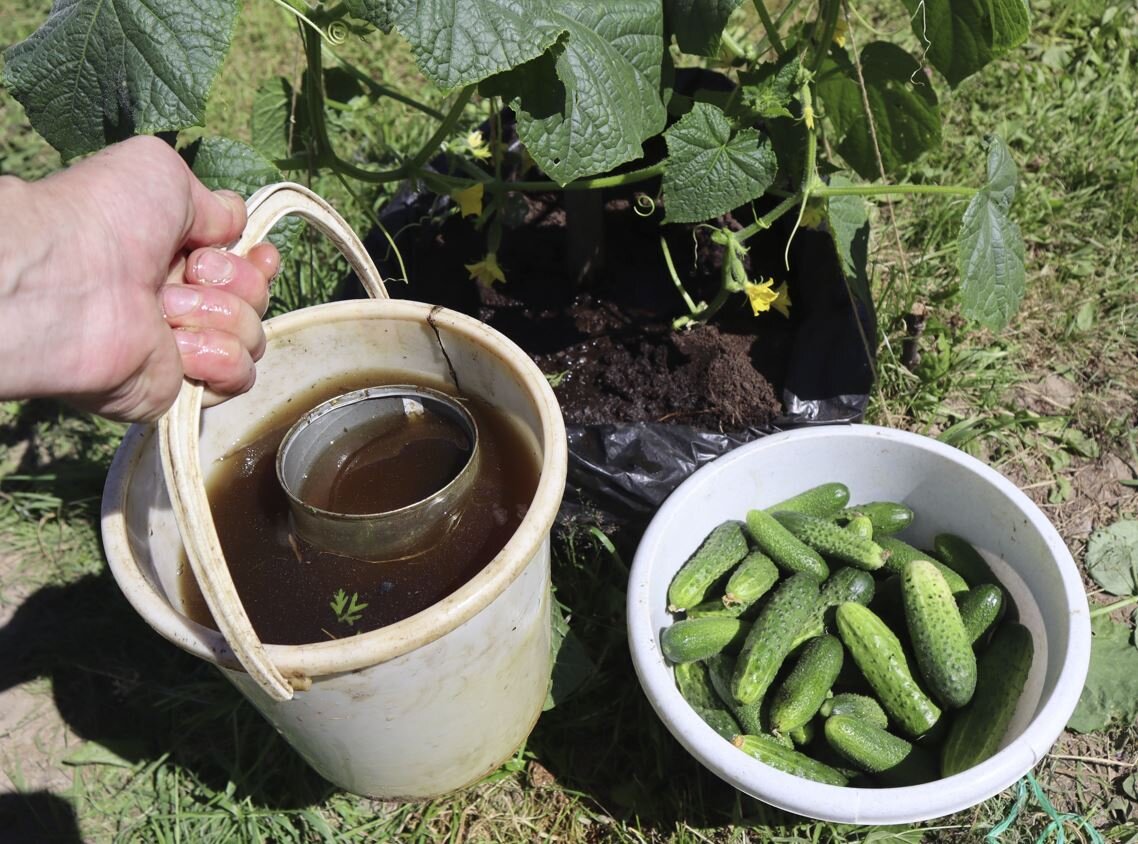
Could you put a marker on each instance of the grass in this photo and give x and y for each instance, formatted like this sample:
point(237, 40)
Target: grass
point(158, 747)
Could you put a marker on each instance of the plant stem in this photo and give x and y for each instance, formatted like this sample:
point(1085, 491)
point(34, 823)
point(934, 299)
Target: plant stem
point(825, 33)
point(887, 190)
point(769, 26)
point(692, 307)
point(380, 90)
point(1107, 609)
point(612, 181)
point(445, 128)
point(765, 221)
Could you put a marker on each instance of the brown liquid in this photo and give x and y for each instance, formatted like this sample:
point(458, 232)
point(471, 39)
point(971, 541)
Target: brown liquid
point(381, 468)
point(287, 588)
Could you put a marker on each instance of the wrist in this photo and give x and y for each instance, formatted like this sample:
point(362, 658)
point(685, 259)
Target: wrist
point(33, 329)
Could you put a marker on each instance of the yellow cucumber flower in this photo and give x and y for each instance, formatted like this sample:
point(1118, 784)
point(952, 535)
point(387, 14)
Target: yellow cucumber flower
point(486, 271)
point(477, 144)
point(840, 32)
point(763, 297)
point(470, 200)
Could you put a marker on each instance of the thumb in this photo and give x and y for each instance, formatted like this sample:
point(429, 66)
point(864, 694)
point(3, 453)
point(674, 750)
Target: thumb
point(218, 216)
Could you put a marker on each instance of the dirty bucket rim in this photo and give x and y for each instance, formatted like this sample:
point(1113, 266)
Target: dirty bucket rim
point(392, 641)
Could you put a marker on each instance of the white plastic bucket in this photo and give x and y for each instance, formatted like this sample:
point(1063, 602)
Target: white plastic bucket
point(426, 705)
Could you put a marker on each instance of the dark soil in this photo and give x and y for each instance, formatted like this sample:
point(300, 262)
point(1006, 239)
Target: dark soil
point(607, 342)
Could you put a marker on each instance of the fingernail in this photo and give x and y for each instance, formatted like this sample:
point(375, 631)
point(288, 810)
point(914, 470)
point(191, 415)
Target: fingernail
point(189, 342)
point(213, 267)
point(179, 299)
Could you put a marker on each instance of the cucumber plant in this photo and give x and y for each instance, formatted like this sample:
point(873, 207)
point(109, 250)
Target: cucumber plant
point(822, 114)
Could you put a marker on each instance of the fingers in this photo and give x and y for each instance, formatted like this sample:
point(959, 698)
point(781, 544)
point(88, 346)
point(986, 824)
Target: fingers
point(200, 308)
point(247, 278)
point(216, 358)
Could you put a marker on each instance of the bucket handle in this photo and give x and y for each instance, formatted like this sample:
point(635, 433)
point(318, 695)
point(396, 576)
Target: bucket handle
point(178, 432)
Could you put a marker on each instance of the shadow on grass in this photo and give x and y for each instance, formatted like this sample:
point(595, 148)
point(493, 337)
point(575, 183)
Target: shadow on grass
point(38, 816)
point(116, 683)
point(604, 740)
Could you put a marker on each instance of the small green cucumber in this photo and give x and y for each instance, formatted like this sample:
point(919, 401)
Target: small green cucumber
point(788, 552)
point(980, 608)
point(716, 608)
point(694, 684)
point(770, 752)
point(962, 558)
point(887, 517)
point(941, 644)
point(725, 546)
point(898, 553)
point(770, 638)
point(821, 500)
point(750, 580)
point(827, 538)
point(877, 651)
point(802, 735)
point(978, 728)
point(698, 638)
point(865, 745)
point(860, 526)
point(798, 697)
point(751, 718)
point(719, 720)
point(862, 707)
point(844, 584)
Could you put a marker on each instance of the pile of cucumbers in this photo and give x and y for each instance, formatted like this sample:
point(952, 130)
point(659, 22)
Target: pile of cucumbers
point(818, 642)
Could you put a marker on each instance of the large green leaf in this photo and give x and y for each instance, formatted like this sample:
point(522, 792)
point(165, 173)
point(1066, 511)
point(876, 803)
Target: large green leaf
point(588, 105)
point(270, 124)
point(1112, 557)
point(848, 218)
point(460, 42)
point(1111, 691)
point(98, 72)
point(712, 169)
point(990, 250)
point(903, 107)
point(698, 24)
point(233, 165)
point(961, 36)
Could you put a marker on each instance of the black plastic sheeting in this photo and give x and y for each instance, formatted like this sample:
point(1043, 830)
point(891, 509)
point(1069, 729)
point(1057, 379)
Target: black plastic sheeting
point(619, 474)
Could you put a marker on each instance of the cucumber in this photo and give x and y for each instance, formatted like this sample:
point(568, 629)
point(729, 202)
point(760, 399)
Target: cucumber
point(867, 746)
point(694, 684)
point(862, 707)
point(716, 608)
point(822, 500)
point(719, 720)
point(770, 638)
point(788, 552)
point(878, 653)
point(827, 538)
point(887, 517)
point(962, 558)
point(750, 580)
point(802, 735)
point(798, 697)
point(860, 526)
point(845, 584)
point(725, 546)
point(980, 608)
point(720, 669)
point(699, 638)
point(768, 751)
point(898, 553)
point(978, 728)
point(941, 644)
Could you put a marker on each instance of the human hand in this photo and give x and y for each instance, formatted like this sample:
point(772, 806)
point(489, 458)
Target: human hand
point(110, 292)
